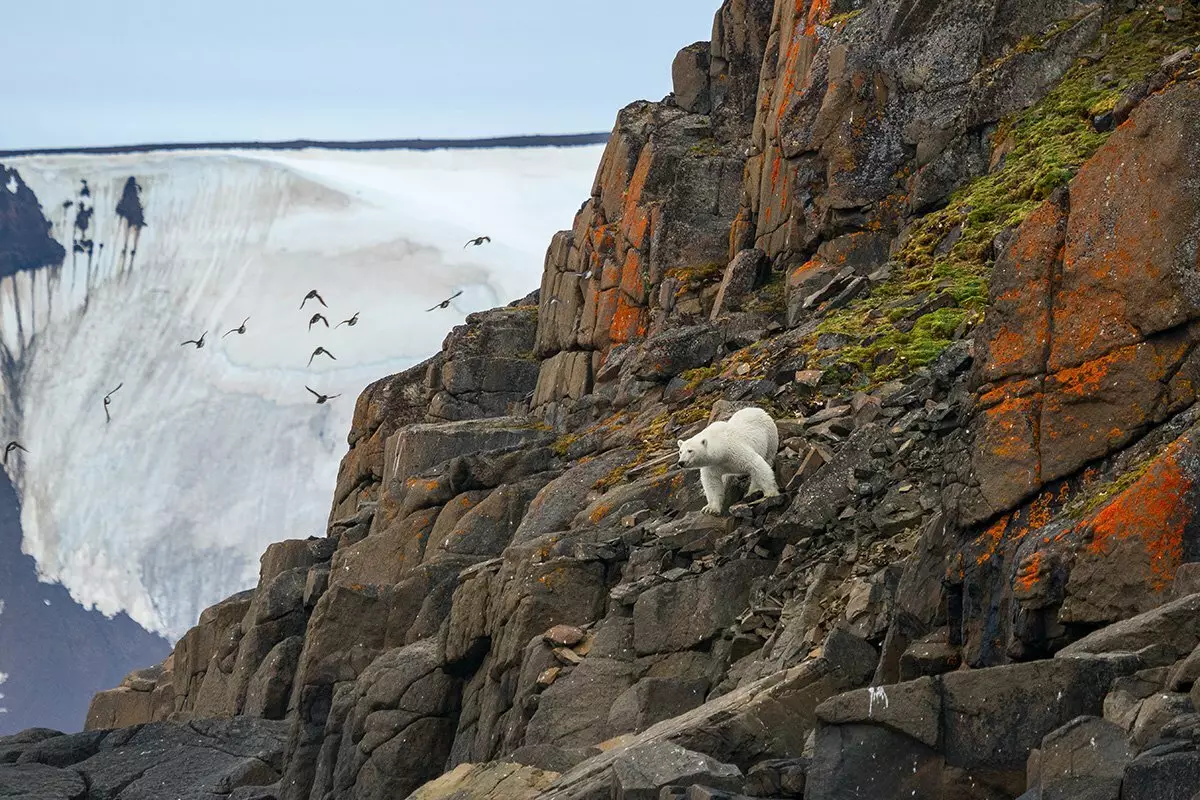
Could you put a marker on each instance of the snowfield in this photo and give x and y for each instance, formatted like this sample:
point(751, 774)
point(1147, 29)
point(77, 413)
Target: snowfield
point(213, 453)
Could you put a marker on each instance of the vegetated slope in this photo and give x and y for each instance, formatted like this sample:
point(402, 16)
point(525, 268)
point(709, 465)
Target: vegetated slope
point(952, 248)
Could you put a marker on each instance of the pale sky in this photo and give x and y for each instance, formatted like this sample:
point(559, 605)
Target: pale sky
point(83, 72)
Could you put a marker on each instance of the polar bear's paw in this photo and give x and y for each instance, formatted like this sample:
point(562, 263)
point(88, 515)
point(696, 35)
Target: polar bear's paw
point(712, 509)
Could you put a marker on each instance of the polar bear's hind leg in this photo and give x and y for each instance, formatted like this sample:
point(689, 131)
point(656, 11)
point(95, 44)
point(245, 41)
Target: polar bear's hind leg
point(762, 477)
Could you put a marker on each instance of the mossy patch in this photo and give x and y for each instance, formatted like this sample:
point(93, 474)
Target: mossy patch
point(1046, 145)
point(705, 148)
point(657, 437)
point(695, 277)
point(1084, 506)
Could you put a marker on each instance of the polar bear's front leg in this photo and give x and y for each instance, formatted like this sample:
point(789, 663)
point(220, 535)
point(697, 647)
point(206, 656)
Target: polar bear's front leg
point(762, 477)
point(714, 490)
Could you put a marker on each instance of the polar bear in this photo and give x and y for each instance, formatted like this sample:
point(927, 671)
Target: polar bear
point(744, 445)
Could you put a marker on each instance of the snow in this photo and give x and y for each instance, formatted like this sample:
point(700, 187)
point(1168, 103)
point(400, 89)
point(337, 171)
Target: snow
point(214, 453)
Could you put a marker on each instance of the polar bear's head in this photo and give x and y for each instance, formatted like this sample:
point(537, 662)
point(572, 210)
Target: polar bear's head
point(693, 452)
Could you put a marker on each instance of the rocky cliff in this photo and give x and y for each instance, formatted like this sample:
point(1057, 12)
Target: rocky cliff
point(953, 248)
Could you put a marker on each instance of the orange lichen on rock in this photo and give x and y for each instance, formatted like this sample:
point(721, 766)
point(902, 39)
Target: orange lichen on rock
point(1088, 378)
point(1028, 574)
point(990, 540)
point(632, 283)
point(818, 12)
point(1154, 511)
point(628, 321)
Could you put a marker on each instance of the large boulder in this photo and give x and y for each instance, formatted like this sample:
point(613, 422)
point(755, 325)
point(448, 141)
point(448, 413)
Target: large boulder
point(974, 725)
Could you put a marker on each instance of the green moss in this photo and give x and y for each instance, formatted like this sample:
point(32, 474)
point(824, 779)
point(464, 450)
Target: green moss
point(1084, 507)
point(1045, 146)
point(696, 277)
point(657, 437)
point(563, 443)
point(842, 19)
point(771, 297)
point(705, 147)
point(695, 377)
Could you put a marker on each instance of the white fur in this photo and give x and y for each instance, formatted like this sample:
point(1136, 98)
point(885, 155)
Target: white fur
point(744, 445)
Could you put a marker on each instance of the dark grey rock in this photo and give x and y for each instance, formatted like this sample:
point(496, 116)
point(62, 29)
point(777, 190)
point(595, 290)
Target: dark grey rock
point(268, 692)
point(1161, 775)
point(1084, 760)
point(642, 772)
point(851, 655)
point(681, 615)
point(676, 350)
point(574, 711)
point(779, 777)
point(1176, 624)
point(651, 700)
point(41, 782)
point(689, 77)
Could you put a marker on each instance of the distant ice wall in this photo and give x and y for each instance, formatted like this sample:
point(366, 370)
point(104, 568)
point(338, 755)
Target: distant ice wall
point(213, 453)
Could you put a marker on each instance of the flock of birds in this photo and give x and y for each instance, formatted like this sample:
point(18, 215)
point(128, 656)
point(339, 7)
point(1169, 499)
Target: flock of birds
point(241, 330)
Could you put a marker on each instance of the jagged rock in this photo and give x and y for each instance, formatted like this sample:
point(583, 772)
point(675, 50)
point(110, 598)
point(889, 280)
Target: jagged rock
point(711, 602)
point(1124, 700)
point(558, 502)
point(652, 700)
point(676, 351)
point(1166, 773)
point(983, 722)
point(63, 751)
point(643, 771)
point(742, 275)
point(269, 689)
point(201, 760)
point(39, 782)
point(497, 781)
point(1156, 711)
point(404, 696)
point(1175, 624)
point(1086, 758)
point(574, 711)
point(551, 758)
point(689, 76)
point(564, 635)
point(928, 659)
point(822, 496)
point(851, 655)
point(11, 747)
point(784, 777)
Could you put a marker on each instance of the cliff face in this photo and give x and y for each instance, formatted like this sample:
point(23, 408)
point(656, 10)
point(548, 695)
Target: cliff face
point(952, 247)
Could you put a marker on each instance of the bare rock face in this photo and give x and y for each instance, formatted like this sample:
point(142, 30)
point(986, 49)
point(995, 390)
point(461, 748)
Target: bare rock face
point(952, 249)
point(200, 760)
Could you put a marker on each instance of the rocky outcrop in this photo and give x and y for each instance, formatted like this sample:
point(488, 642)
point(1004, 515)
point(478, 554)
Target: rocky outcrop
point(951, 248)
point(202, 760)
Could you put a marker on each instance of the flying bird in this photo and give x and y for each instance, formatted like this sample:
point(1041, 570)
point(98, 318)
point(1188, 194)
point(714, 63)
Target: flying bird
point(15, 445)
point(351, 322)
point(320, 351)
point(198, 342)
point(240, 329)
point(478, 240)
point(318, 317)
point(321, 398)
point(313, 295)
point(445, 303)
point(108, 400)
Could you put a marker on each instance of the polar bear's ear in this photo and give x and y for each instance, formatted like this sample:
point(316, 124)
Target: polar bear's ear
point(680, 443)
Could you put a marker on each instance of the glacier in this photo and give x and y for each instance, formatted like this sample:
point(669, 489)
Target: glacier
point(213, 453)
